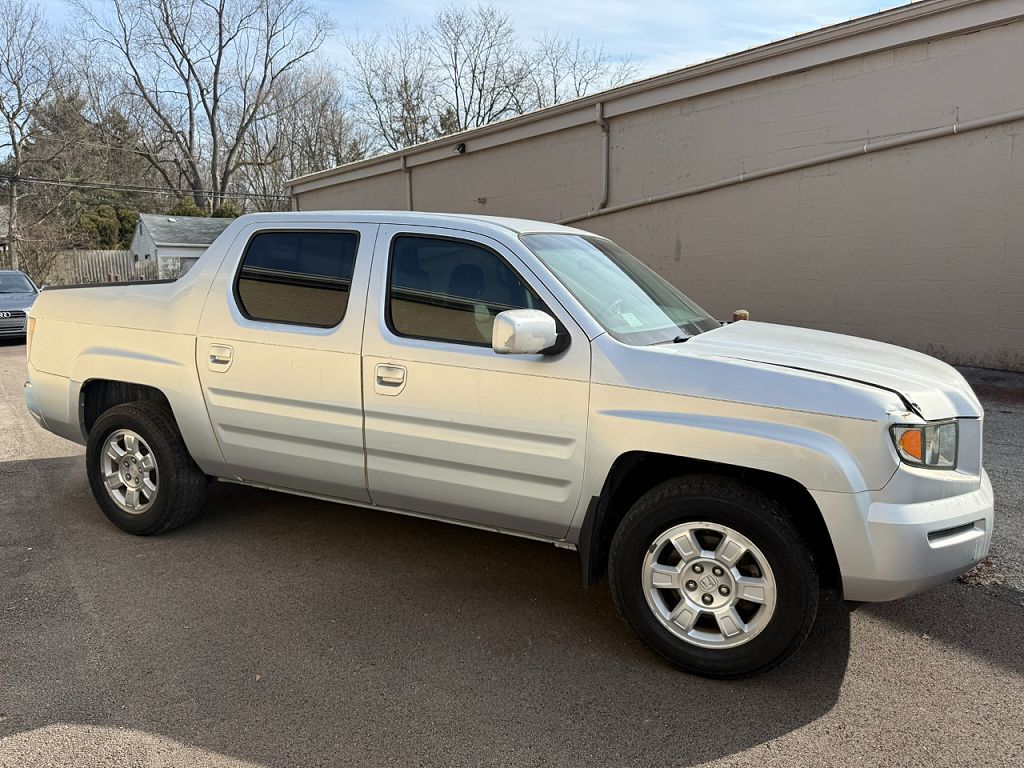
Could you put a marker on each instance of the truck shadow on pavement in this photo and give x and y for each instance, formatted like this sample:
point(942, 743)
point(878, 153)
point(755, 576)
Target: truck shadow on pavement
point(285, 631)
point(985, 622)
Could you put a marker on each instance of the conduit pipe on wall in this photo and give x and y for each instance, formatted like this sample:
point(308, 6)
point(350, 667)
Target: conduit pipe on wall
point(605, 151)
point(868, 148)
point(408, 183)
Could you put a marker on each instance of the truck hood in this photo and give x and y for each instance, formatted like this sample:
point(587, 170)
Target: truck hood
point(928, 387)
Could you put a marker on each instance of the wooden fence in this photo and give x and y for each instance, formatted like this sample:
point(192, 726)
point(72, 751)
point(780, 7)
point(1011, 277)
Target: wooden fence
point(99, 267)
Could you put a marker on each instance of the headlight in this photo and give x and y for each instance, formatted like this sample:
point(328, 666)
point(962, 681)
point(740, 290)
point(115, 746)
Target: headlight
point(927, 445)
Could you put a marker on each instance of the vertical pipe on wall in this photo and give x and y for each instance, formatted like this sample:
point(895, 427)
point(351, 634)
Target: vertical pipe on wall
point(408, 183)
point(605, 151)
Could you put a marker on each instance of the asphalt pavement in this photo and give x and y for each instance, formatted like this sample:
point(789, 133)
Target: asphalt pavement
point(281, 631)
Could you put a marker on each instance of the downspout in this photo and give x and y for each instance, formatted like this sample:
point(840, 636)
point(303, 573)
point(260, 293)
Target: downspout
point(408, 183)
point(605, 151)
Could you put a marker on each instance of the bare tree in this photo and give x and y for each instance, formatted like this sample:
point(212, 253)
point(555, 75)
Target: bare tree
point(480, 67)
point(142, 151)
point(414, 84)
point(466, 69)
point(311, 130)
point(202, 75)
point(563, 68)
point(27, 70)
point(392, 79)
point(71, 157)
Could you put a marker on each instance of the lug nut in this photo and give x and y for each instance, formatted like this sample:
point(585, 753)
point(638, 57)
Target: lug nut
point(707, 599)
point(691, 585)
point(717, 570)
point(698, 568)
point(723, 590)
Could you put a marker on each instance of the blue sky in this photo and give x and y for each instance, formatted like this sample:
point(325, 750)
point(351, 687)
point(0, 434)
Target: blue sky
point(662, 36)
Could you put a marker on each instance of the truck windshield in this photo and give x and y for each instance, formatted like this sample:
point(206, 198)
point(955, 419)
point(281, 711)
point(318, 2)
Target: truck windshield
point(631, 301)
point(15, 282)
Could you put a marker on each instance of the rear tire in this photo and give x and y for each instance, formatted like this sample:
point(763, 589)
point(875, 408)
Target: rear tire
point(687, 557)
point(140, 471)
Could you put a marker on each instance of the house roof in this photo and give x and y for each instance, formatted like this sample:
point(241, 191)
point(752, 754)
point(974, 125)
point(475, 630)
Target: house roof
point(182, 230)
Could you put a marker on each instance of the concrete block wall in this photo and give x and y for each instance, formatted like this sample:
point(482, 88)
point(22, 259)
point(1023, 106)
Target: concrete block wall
point(547, 178)
point(384, 192)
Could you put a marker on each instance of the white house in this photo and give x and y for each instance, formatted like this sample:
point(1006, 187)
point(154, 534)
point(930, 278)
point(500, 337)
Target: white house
point(175, 242)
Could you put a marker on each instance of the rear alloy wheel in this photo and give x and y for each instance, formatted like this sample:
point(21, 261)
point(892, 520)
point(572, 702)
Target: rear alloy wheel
point(713, 574)
point(140, 471)
point(130, 472)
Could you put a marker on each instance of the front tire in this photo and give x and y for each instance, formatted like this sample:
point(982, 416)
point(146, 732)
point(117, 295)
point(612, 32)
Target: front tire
point(714, 576)
point(140, 471)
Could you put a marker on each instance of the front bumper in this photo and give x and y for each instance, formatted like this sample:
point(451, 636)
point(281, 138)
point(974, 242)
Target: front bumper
point(888, 550)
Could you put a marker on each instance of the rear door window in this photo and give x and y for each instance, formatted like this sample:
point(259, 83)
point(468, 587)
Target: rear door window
point(300, 278)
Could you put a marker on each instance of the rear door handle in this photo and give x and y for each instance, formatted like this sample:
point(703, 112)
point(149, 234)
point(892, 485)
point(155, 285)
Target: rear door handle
point(390, 379)
point(220, 357)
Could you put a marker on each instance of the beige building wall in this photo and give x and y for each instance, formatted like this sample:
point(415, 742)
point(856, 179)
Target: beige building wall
point(547, 178)
point(384, 192)
point(921, 245)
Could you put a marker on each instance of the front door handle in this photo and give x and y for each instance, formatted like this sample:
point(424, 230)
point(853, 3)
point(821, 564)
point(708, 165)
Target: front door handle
point(220, 357)
point(390, 379)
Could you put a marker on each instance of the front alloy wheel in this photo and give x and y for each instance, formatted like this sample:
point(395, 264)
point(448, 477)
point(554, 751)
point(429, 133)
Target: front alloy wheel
point(714, 575)
point(709, 585)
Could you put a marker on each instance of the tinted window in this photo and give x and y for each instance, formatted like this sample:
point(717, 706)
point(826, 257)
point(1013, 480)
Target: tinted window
point(451, 290)
point(298, 277)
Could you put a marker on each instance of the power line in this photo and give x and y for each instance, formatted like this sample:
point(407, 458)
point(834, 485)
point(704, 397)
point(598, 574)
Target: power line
point(109, 187)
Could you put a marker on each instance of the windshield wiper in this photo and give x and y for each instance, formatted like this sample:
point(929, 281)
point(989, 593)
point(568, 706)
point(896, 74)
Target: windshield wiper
point(676, 340)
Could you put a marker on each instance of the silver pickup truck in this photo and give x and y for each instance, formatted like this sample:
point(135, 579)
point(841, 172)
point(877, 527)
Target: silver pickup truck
point(530, 379)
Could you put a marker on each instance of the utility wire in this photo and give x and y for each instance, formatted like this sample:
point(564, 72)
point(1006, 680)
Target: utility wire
point(108, 187)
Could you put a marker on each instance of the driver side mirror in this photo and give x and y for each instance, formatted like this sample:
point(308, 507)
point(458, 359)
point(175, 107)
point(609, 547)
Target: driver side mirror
point(523, 332)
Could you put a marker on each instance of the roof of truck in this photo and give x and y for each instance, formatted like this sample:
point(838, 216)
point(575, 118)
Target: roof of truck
point(420, 218)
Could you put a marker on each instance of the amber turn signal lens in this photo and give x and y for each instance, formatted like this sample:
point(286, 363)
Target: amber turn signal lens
point(912, 445)
point(933, 446)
